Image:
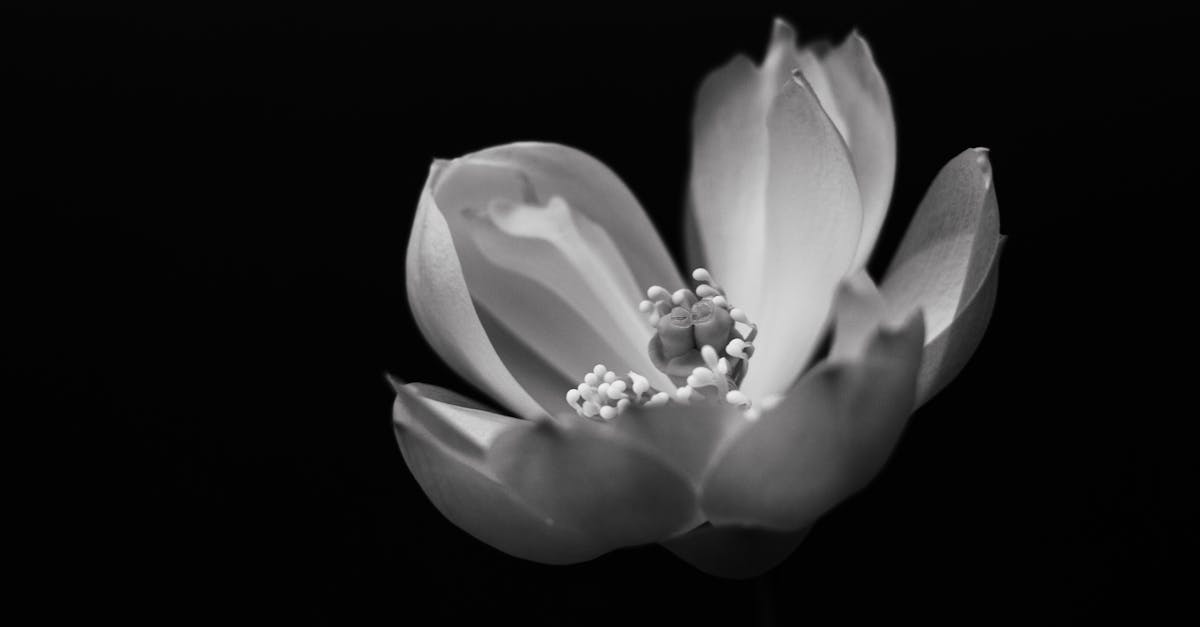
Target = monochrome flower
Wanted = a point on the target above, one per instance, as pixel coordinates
(721, 415)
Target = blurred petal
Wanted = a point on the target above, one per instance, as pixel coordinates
(946, 266)
(858, 309)
(441, 305)
(462, 488)
(735, 552)
(823, 442)
(813, 221)
(584, 475)
(687, 436)
(864, 113)
(555, 247)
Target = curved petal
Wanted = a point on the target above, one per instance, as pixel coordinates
(860, 96)
(539, 377)
(555, 247)
(442, 308)
(858, 309)
(585, 476)
(735, 552)
(823, 442)
(458, 483)
(688, 437)
(813, 223)
(946, 265)
(727, 189)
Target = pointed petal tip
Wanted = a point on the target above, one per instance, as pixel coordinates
(782, 31)
(396, 382)
(985, 165)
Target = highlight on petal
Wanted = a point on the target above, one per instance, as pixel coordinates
(735, 552)
(864, 104)
(851, 89)
(585, 475)
(442, 308)
(813, 223)
(444, 450)
(947, 266)
(824, 441)
(773, 194)
(557, 251)
(729, 154)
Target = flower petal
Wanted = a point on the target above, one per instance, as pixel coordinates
(864, 109)
(946, 265)
(465, 491)
(823, 442)
(813, 222)
(539, 377)
(442, 308)
(735, 552)
(555, 247)
(687, 436)
(858, 310)
(727, 193)
(586, 476)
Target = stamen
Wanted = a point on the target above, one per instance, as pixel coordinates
(604, 395)
(700, 341)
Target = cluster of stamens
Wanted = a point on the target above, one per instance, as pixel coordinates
(605, 395)
(701, 342)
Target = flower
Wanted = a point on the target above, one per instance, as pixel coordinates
(715, 424)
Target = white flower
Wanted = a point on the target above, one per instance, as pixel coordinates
(720, 437)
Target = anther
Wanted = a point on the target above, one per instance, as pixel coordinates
(657, 292)
(604, 395)
(684, 298)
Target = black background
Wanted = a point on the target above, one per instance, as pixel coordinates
(204, 228)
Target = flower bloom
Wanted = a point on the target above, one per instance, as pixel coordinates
(720, 413)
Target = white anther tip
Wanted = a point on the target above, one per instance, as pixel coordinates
(608, 413)
(736, 397)
(683, 395)
(640, 384)
(739, 316)
(599, 370)
(709, 354)
(700, 274)
(657, 292)
(573, 396)
(645, 306)
(610, 376)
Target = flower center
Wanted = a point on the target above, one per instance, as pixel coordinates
(701, 342)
